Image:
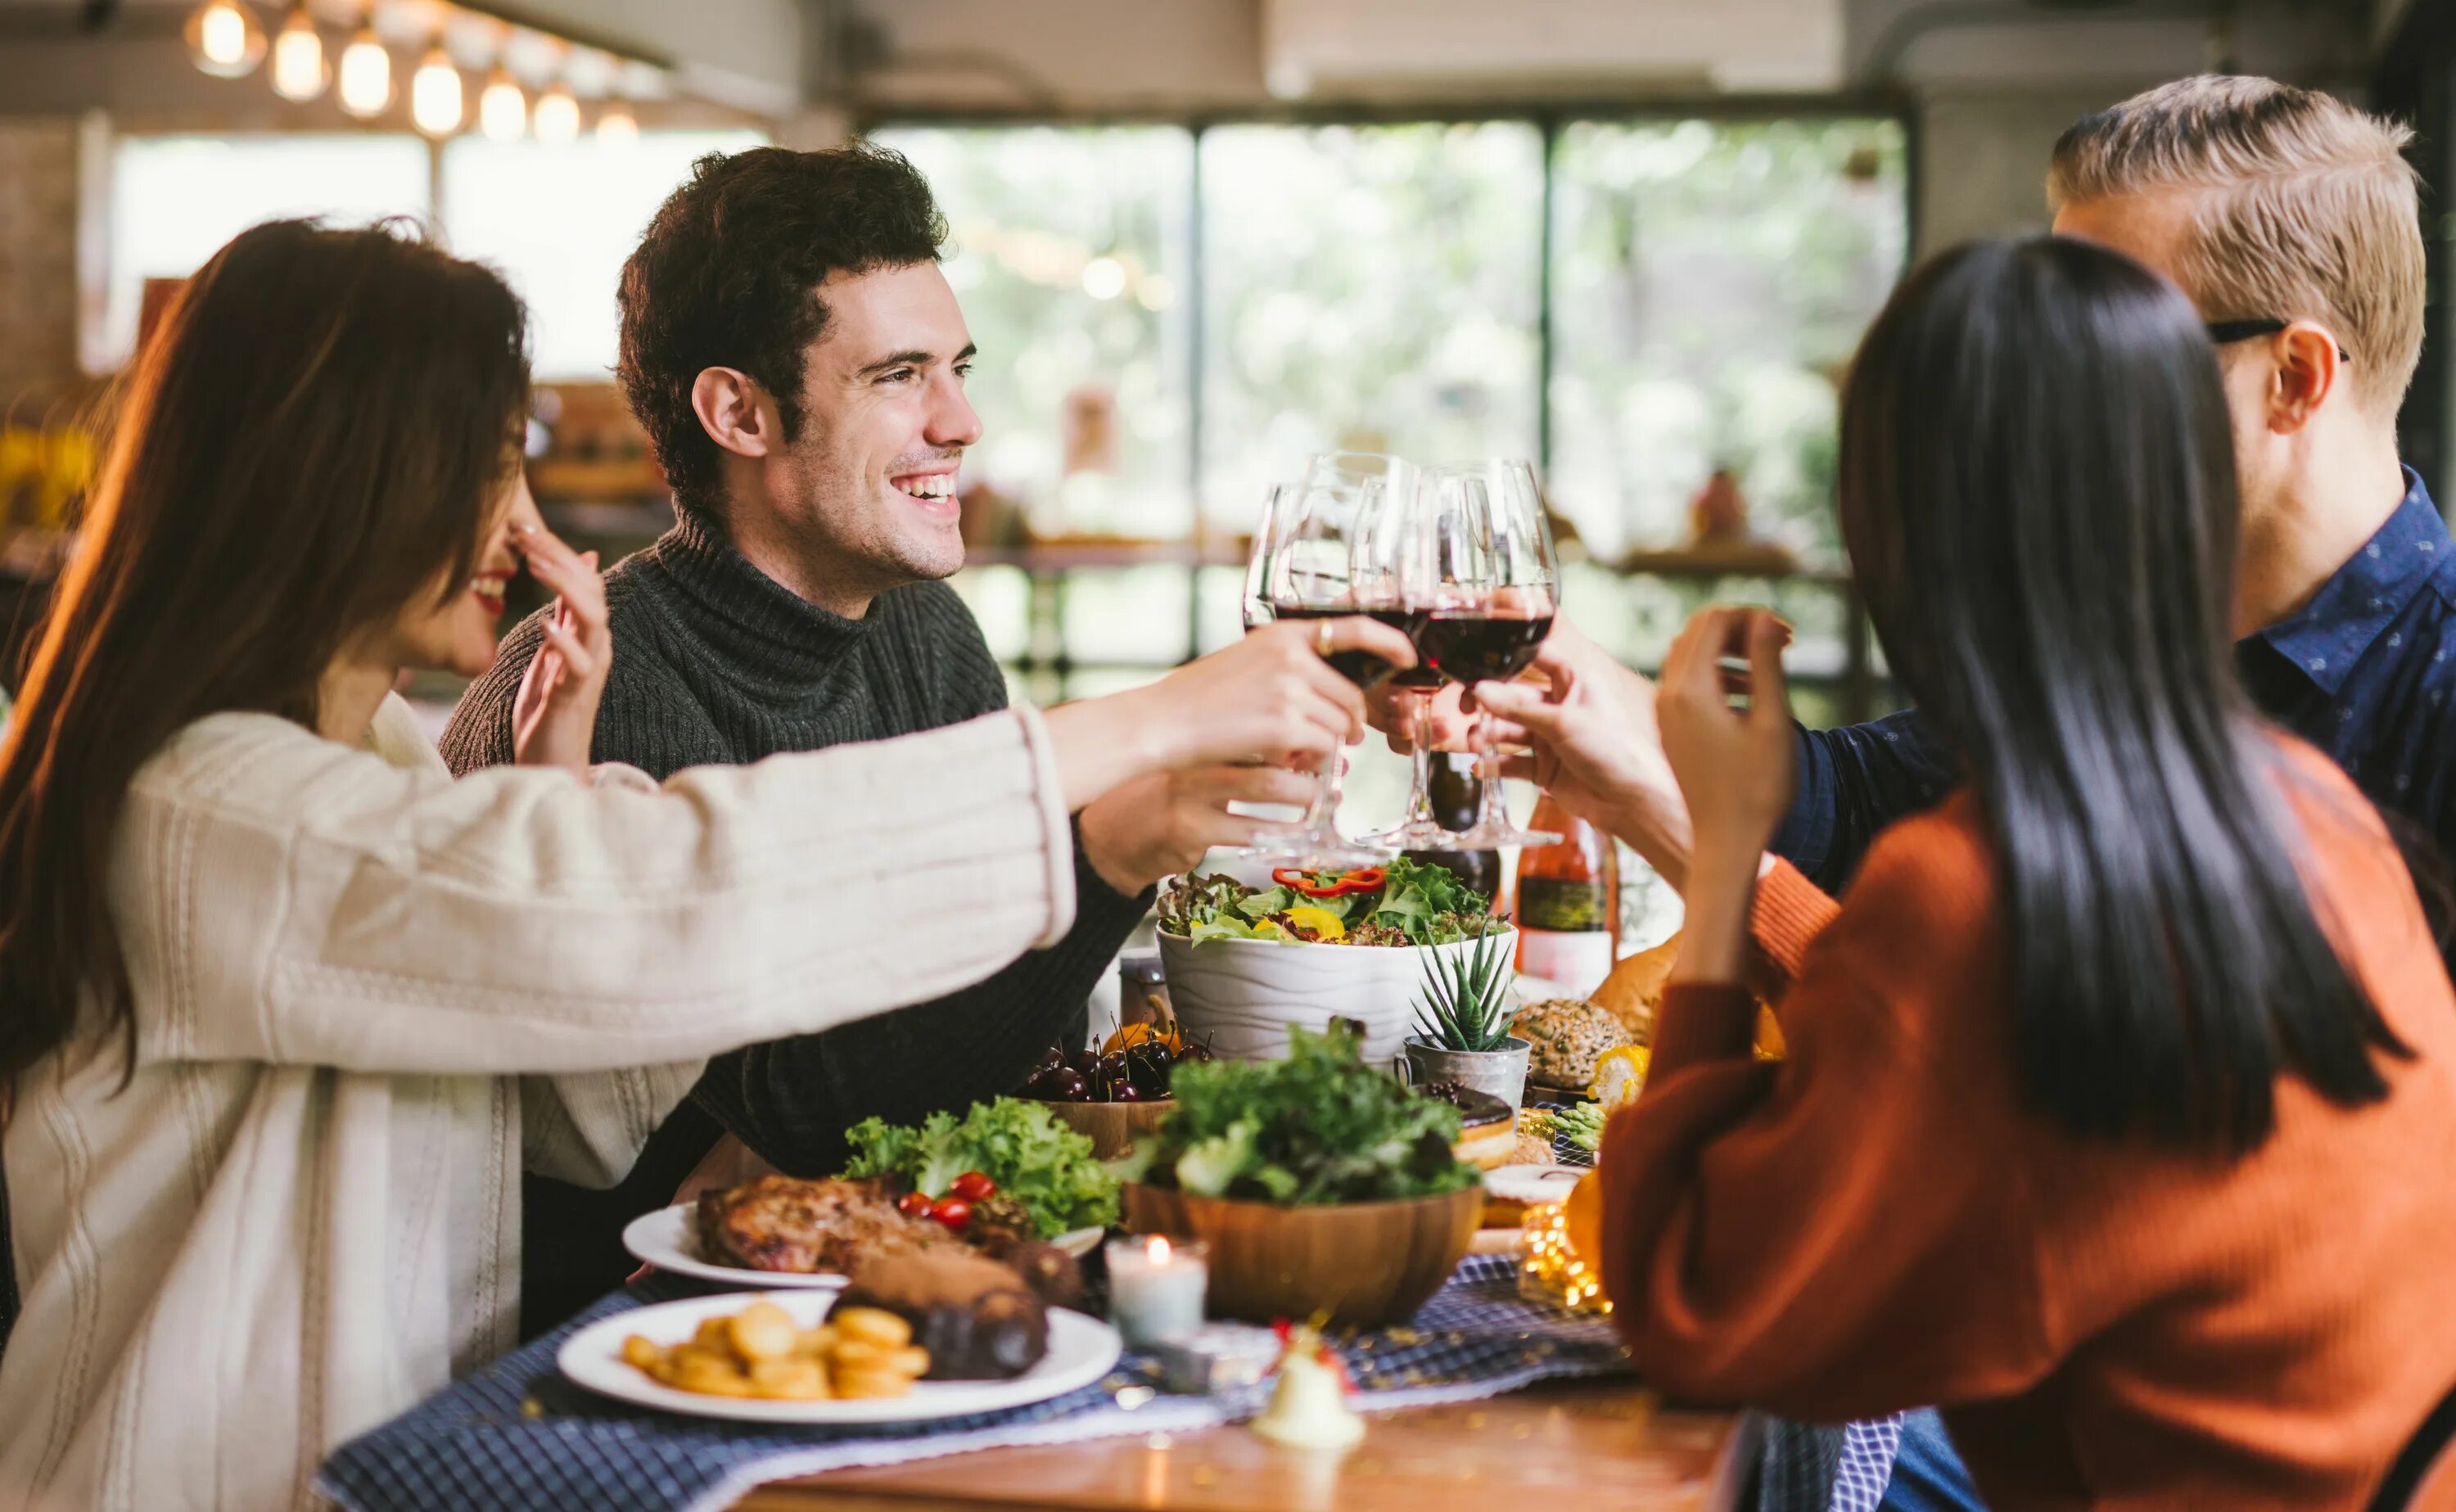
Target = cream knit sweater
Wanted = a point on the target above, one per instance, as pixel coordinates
(366, 994)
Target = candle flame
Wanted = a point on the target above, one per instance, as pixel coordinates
(1158, 1249)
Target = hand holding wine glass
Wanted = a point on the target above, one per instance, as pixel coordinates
(1493, 584)
(1316, 565)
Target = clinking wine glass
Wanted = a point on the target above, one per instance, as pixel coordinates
(1403, 547)
(1491, 589)
(1314, 569)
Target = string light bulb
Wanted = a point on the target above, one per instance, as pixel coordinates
(224, 38)
(299, 70)
(557, 118)
(1550, 1270)
(503, 109)
(364, 80)
(615, 125)
(435, 103)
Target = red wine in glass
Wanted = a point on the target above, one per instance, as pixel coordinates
(1360, 667)
(1423, 676)
(1476, 645)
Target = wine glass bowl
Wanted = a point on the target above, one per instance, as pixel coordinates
(1489, 591)
(1318, 561)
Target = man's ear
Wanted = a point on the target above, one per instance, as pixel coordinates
(736, 412)
(2308, 374)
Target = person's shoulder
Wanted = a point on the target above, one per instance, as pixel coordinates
(479, 732)
(263, 771)
(929, 629)
(930, 611)
(1949, 847)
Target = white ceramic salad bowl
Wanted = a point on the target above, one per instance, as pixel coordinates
(1242, 995)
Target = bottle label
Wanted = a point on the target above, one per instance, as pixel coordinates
(1579, 961)
(1560, 903)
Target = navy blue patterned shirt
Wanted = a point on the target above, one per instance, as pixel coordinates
(2367, 671)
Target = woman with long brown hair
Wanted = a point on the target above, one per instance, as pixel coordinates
(286, 1008)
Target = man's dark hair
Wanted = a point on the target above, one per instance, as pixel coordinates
(728, 272)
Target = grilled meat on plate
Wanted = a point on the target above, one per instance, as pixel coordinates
(784, 1223)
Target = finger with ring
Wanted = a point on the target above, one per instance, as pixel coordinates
(1321, 637)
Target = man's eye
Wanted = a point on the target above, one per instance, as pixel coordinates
(963, 370)
(895, 375)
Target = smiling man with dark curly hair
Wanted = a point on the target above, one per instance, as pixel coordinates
(798, 360)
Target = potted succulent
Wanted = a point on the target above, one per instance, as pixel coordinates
(1463, 1024)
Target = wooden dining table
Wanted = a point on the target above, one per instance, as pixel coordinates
(1584, 1444)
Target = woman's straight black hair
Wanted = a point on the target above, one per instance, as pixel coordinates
(2037, 492)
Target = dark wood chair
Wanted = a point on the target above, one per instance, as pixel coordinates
(2424, 1477)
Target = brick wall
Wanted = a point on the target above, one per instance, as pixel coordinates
(38, 266)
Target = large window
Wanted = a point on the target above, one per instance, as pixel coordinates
(1709, 283)
(1070, 251)
(176, 199)
(1375, 286)
(560, 220)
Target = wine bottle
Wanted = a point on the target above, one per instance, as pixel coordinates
(1457, 793)
(1569, 902)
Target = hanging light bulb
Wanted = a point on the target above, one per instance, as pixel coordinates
(224, 38)
(299, 70)
(557, 121)
(615, 125)
(503, 109)
(365, 76)
(435, 95)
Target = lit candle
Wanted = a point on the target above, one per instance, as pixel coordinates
(1155, 1288)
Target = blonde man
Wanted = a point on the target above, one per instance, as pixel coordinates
(2291, 219)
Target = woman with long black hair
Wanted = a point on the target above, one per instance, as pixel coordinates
(287, 1009)
(2120, 1090)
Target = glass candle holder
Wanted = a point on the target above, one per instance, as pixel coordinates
(1549, 1270)
(1155, 1287)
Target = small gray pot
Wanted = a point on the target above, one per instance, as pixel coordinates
(1501, 1073)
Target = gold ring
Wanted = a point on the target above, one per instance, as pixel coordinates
(1322, 638)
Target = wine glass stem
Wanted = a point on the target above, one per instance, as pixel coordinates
(1419, 798)
(1493, 814)
(1325, 797)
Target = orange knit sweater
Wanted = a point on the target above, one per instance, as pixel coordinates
(1875, 1223)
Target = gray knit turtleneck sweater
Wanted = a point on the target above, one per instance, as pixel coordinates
(716, 663)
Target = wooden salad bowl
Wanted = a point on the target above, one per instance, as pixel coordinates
(1113, 1127)
(1368, 1264)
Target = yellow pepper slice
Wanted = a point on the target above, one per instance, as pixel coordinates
(1325, 924)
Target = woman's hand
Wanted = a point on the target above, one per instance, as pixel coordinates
(1594, 746)
(554, 718)
(1733, 767)
(1268, 698)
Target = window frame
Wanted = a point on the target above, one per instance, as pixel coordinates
(1858, 682)
(1548, 117)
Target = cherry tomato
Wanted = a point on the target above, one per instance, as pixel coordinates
(972, 1187)
(914, 1204)
(952, 1212)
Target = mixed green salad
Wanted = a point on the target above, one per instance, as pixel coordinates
(1318, 1128)
(1399, 902)
(1039, 1161)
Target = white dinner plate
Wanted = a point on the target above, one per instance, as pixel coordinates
(1082, 1350)
(1533, 1184)
(669, 1239)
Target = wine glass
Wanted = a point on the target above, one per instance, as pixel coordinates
(1256, 606)
(1401, 550)
(1492, 589)
(1314, 569)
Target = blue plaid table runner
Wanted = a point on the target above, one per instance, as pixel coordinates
(516, 1436)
